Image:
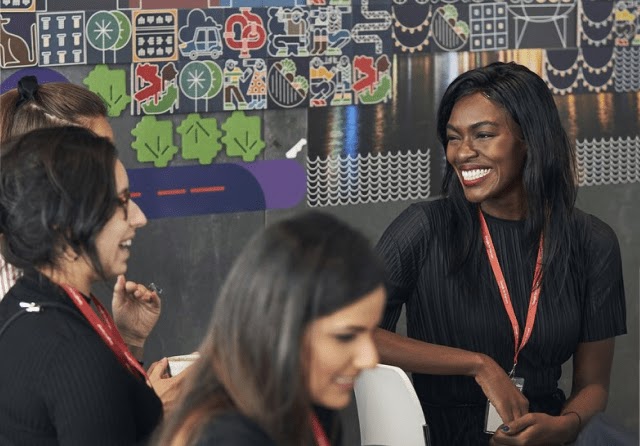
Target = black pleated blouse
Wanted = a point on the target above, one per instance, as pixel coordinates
(450, 309)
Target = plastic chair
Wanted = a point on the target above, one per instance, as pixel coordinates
(389, 411)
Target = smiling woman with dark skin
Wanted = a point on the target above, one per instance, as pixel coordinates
(503, 277)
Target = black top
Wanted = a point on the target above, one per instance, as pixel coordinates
(235, 429)
(444, 309)
(59, 383)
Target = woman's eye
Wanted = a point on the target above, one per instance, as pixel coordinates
(484, 135)
(451, 138)
(345, 337)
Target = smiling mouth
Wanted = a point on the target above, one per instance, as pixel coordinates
(474, 174)
(126, 244)
(344, 380)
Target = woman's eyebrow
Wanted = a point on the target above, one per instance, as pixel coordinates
(475, 125)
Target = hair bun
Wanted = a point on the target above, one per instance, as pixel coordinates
(27, 88)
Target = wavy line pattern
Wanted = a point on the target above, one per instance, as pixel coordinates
(370, 178)
(627, 68)
(609, 161)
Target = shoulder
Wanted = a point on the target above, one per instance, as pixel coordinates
(596, 235)
(419, 218)
(233, 429)
(426, 211)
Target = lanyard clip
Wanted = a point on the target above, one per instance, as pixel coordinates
(30, 307)
(513, 370)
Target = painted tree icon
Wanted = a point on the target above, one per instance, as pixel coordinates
(200, 80)
(108, 30)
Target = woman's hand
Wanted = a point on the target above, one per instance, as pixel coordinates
(135, 311)
(500, 390)
(166, 387)
(536, 429)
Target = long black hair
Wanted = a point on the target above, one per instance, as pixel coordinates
(549, 175)
(294, 272)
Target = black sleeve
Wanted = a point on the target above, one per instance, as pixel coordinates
(604, 314)
(401, 248)
(91, 397)
(233, 430)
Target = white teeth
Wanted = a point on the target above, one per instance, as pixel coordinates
(470, 175)
(126, 244)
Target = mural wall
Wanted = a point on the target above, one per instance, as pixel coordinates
(230, 114)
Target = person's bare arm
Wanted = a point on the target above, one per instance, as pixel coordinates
(590, 391)
(422, 357)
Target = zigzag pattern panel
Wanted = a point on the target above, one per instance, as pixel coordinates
(371, 178)
(609, 161)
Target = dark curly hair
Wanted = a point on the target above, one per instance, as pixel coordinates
(57, 191)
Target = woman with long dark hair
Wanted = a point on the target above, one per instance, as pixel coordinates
(503, 278)
(291, 329)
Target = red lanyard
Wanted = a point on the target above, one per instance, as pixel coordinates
(106, 329)
(504, 292)
(318, 432)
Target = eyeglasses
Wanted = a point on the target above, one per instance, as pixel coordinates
(123, 200)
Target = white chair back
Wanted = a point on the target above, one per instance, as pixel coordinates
(388, 409)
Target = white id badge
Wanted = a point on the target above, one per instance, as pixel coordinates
(492, 421)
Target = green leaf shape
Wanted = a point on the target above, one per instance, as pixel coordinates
(200, 138)
(301, 83)
(464, 28)
(242, 136)
(288, 66)
(154, 141)
(380, 94)
(111, 86)
(450, 12)
(166, 103)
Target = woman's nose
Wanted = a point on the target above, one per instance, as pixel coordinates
(137, 218)
(367, 354)
(465, 150)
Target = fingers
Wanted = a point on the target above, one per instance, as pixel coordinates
(512, 433)
(519, 408)
(120, 284)
(141, 293)
(513, 407)
(119, 287)
(518, 425)
(158, 369)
